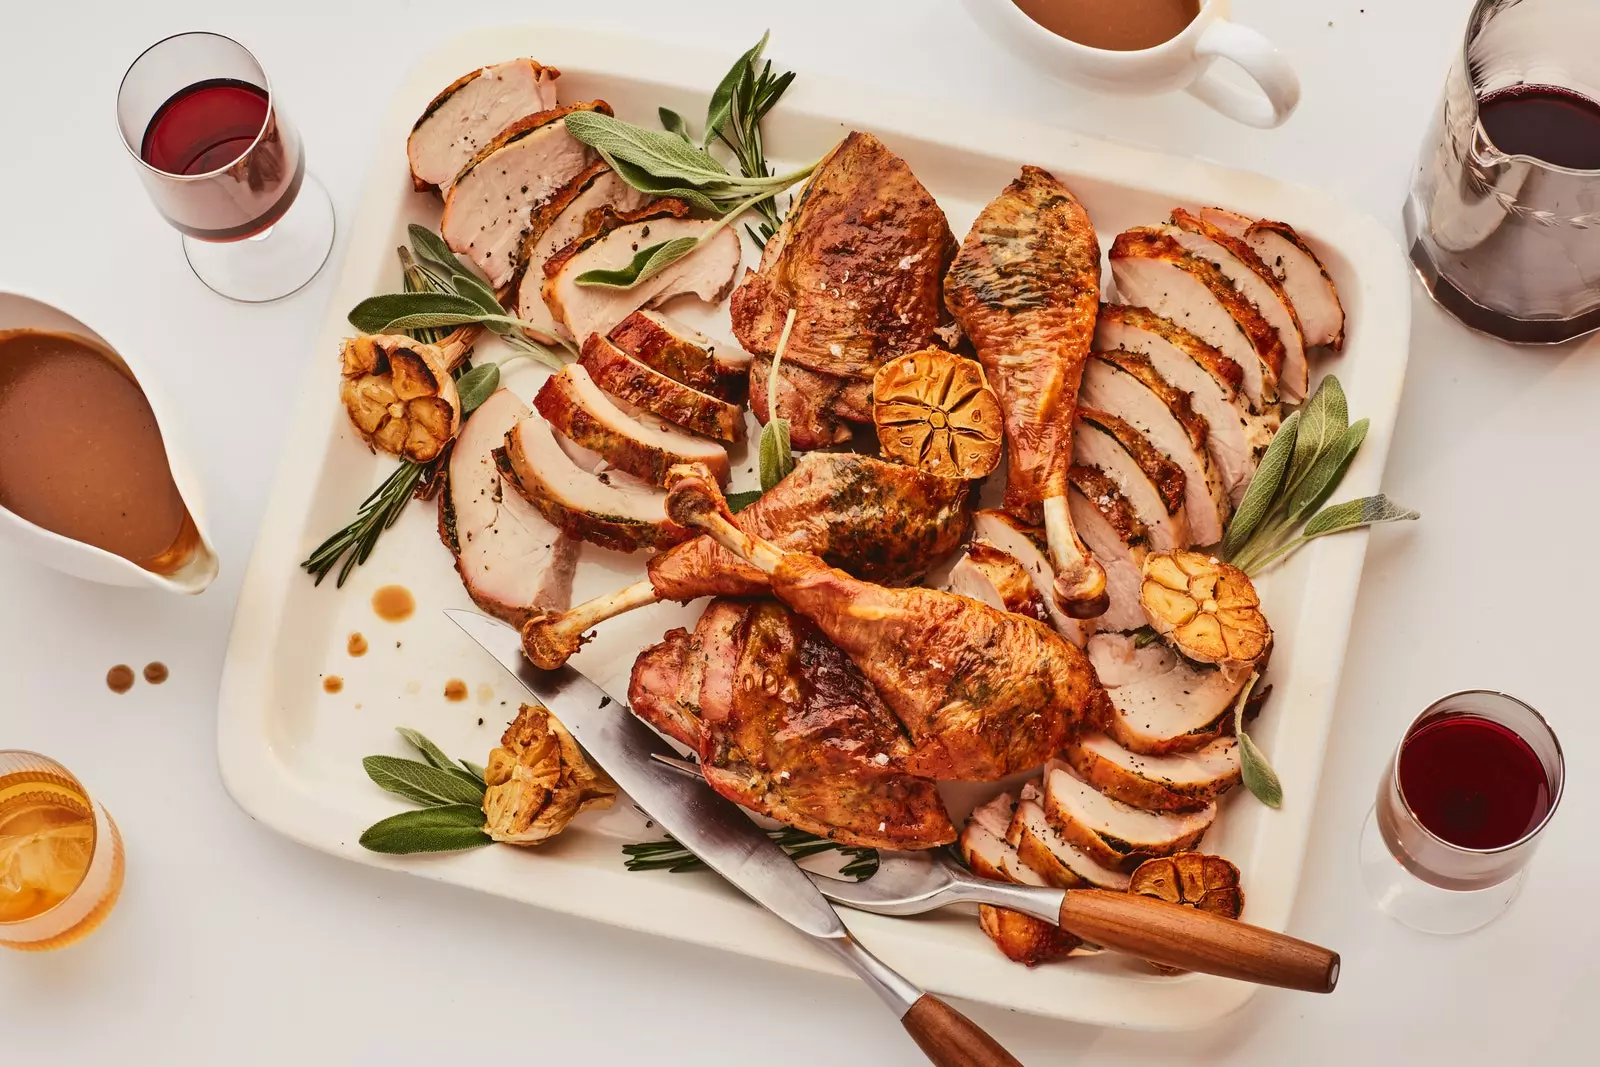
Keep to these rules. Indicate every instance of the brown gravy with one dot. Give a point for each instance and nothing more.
(81, 454)
(455, 689)
(156, 673)
(1118, 25)
(332, 683)
(357, 645)
(119, 679)
(393, 603)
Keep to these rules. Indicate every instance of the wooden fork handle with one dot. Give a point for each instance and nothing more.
(950, 1039)
(1197, 941)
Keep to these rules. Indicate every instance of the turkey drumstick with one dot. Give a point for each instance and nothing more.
(1026, 289)
(883, 521)
(983, 693)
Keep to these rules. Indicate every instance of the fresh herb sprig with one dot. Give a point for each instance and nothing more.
(451, 794)
(669, 855)
(1259, 777)
(667, 163)
(775, 456)
(353, 543)
(1302, 467)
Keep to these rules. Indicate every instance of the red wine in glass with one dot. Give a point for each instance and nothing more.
(205, 127)
(1473, 782)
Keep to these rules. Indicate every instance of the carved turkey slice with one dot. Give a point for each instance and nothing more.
(1027, 546)
(610, 240)
(1234, 438)
(606, 507)
(643, 446)
(1112, 833)
(631, 381)
(1159, 703)
(1128, 386)
(683, 354)
(984, 850)
(470, 112)
(1183, 781)
(1238, 262)
(1058, 861)
(995, 577)
(512, 560)
(554, 225)
(1154, 271)
(1153, 484)
(1108, 525)
(1304, 278)
(489, 207)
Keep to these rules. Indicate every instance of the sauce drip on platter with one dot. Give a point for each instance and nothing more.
(81, 454)
(119, 679)
(393, 603)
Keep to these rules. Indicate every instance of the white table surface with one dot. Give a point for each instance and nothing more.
(234, 945)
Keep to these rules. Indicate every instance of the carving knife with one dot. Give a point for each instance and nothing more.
(723, 837)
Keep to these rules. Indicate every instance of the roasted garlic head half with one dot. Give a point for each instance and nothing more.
(935, 410)
(1194, 879)
(539, 780)
(400, 395)
(1207, 609)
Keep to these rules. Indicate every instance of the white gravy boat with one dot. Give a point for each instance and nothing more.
(1184, 62)
(21, 312)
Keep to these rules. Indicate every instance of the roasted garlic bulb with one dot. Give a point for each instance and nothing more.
(539, 780)
(1194, 879)
(1207, 609)
(935, 410)
(400, 395)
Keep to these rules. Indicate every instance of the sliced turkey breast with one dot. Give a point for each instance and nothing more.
(1026, 545)
(682, 353)
(995, 815)
(1154, 271)
(640, 445)
(991, 576)
(608, 507)
(1234, 437)
(1239, 263)
(610, 240)
(1107, 523)
(1056, 860)
(1112, 833)
(1128, 386)
(512, 560)
(470, 112)
(1184, 781)
(1151, 482)
(629, 380)
(1157, 702)
(555, 224)
(488, 209)
(1020, 937)
(1305, 279)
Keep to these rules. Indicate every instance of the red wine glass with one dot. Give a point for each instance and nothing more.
(224, 166)
(1502, 215)
(1460, 809)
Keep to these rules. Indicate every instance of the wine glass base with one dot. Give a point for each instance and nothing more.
(1407, 899)
(275, 262)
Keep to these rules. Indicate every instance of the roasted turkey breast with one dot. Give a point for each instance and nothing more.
(470, 112)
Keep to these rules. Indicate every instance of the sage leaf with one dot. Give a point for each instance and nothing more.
(673, 122)
(1365, 511)
(737, 502)
(662, 154)
(430, 320)
(1145, 636)
(1263, 488)
(451, 828)
(1326, 474)
(377, 313)
(776, 458)
(430, 248)
(1323, 422)
(476, 290)
(720, 110)
(1259, 777)
(645, 182)
(477, 385)
(419, 779)
(646, 264)
(477, 771)
(430, 751)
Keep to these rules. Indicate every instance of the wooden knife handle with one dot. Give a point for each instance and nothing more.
(950, 1039)
(1198, 941)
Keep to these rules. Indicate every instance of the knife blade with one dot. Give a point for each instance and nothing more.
(704, 822)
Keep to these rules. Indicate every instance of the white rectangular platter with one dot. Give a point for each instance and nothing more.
(290, 753)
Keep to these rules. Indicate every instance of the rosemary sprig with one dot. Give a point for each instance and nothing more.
(753, 95)
(669, 855)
